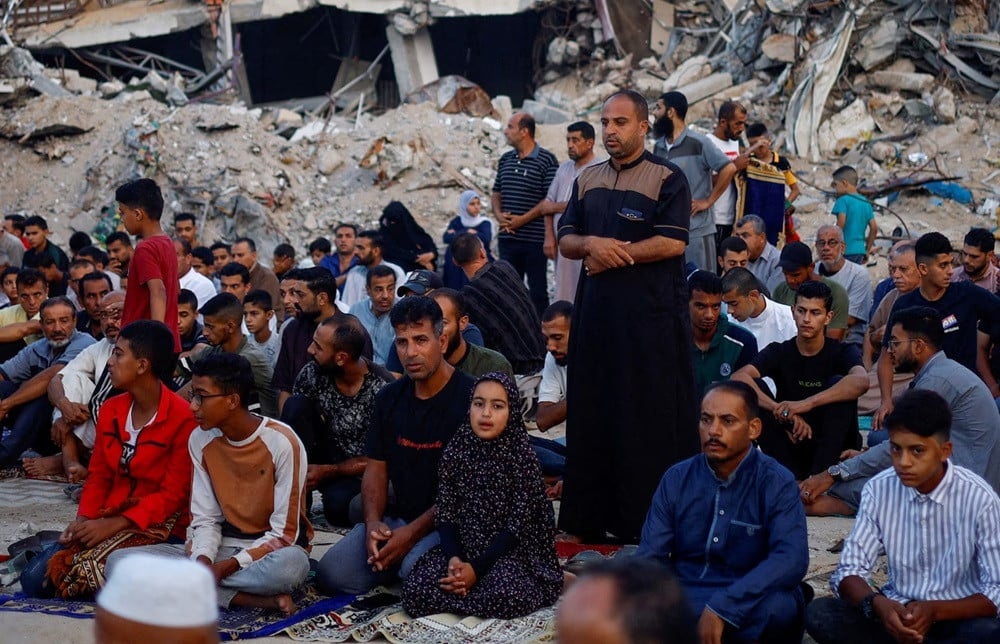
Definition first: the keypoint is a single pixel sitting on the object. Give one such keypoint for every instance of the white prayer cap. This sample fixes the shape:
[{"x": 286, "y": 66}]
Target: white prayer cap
[{"x": 160, "y": 591}]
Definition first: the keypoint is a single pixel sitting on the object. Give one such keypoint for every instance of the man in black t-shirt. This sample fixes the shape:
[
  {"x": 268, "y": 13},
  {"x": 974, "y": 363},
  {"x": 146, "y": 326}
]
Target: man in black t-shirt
[
  {"x": 813, "y": 414},
  {"x": 412, "y": 421}
]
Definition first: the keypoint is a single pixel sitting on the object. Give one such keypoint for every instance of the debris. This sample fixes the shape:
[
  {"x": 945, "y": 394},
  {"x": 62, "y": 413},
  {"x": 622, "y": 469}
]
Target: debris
[
  {"x": 846, "y": 128},
  {"x": 781, "y": 47},
  {"x": 949, "y": 190},
  {"x": 944, "y": 105},
  {"x": 454, "y": 95},
  {"x": 902, "y": 81}
]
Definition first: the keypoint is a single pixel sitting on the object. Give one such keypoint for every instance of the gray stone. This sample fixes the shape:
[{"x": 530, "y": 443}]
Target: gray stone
[{"x": 546, "y": 114}]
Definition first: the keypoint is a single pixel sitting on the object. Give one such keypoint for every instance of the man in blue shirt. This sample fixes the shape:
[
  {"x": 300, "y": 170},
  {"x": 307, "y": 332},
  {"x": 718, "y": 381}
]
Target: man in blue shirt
[
  {"x": 24, "y": 379},
  {"x": 730, "y": 523},
  {"x": 373, "y": 311}
]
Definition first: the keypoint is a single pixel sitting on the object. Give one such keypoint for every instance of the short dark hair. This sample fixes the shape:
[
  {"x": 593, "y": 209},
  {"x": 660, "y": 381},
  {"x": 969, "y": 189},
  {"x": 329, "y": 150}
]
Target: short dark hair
[
  {"x": 815, "y": 290},
  {"x": 704, "y": 281},
  {"x": 344, "y": 224},
  {"x": 527, "y": 122},
  {"x": 83, "y": 262},
  {"x": 30, "y": 277},
  {"x": 96, "y": 276},
  {"x": 185, "y": 296},
  {"x": 185, "y": 245},
  {"x": 455, "y": 297},
  {"x": 259, "y": 298},
  {"x": 78, "y": 240},
  {"x": 230, "y": 372},
  {"x": 414, "y": 310},
  {"x": 756, "y": 129},
  {"x": 741, "y": 389},
  {"x": 373, "y": 236},
  {"x": 740, "y": 279},
  {"x": 94, "y": 253},
  {"x": 154, "y": 341},
  {"x": 224, "y": 305},
  {"x": 59, "y": 300},
  {"x": 756, "y": 221},
  {"x": 185, "y": 216},
  {"x": 649, "y": 600},
  {"x": 638, "y": 101},
  {"x": 921, "y": 321},
  {"x": 319, "y": 280},
  {"x": 204, "y": 254},
  {"x": 584, "y": 128},
  {"x": 734, "y": 244},
  {"x": 378, "y": 271},
  {"x": 465, "y": 247},
  {"x": 930, "y": 245},
  {"x": 319, "y": 244},
  {"x": 982, "y": 239},
  {"x": 349, "y": 334},
  {"x": 677, "y": 101},
  {"x": 284, "y": 250},
  {"x": 219, "y": 244},
  {"x": 922, "y": 412},
  {"x": 251, "y": 244},
  {"x": 235, "y": 268},
  {"x": 729, "y": 109},
  {"x": 846, "y": 173},
  {"x": 38, "y": 221},
  {"x": 16, "y": 220},
  {"x": 559, "y": 308},
  {"x": 142, "y": 193},
  {"x": 10, "y": 270},
  {"x": 45, "y": 260},
  {"x": 118, "y": 236}
]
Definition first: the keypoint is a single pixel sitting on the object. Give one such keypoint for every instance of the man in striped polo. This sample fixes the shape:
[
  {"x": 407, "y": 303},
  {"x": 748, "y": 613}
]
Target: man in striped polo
[{"x": 523, "y": 178}]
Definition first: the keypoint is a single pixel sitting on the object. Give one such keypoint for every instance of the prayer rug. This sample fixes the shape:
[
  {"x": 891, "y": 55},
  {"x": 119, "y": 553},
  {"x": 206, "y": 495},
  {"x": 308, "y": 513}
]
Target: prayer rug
[
  {"x": 17, "y": 472},
  {"x": 234, "y": 624},
  {"x": 380, "y": 615}
]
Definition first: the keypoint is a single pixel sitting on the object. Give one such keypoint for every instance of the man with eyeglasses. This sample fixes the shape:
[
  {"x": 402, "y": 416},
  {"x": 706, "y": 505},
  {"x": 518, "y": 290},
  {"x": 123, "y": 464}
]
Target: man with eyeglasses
[
  {"x": 914, "y": 345},
  {"x": 853, "y": 277}
]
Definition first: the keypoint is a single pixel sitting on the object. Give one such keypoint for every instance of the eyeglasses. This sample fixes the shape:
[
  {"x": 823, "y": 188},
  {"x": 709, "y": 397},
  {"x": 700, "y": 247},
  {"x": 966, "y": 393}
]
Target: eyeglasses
[
  {"x": 895, "y": 343},
  {"x": 197, "y": 399},
  {"x": 111, "y": 314}
]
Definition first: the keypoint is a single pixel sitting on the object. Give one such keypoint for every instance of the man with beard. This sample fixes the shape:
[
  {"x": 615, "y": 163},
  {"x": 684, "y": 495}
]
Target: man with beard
[
  {"x": 94, "y": 286},
  {"x": 24, "y": 408},
  {"x": 914, "y": 346},
  {"x": 853, "y": 277},
  {"x": 330, "y": 409},
  {"x": 315, "y": 296},
  {"x": 524, "y": 175},
  {"x": 628, "y": 221},
  {"x": 978, "y": 257},
  {"x": 79, "y": 390},
  {"x": 720, "y": 347},
  {"x": 373, "y": 311},
  {"x": 580, "y": 150},
  {"x": 698, "y": 158},
  {"x": 463, "y": 355},
  {"x": 726, "y": 136},
  {"x": 368, "y": 248}
]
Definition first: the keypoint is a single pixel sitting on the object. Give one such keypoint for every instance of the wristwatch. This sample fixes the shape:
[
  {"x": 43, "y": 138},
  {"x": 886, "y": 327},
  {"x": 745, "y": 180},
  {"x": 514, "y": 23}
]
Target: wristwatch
[
  {"x": 836, "y": 471},
  {"x": 868, "y": 606}
]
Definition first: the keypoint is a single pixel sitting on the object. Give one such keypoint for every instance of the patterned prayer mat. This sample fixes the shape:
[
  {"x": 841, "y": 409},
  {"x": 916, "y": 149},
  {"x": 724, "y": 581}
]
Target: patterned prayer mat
[
  {"x": 379, "y": 615},
  {"x": 234, "y": 624},
  {"x": 17, "y": 472}
]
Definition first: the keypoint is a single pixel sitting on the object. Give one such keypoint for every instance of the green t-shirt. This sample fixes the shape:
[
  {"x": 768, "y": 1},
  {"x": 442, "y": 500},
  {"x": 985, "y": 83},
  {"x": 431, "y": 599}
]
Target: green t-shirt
[{"x": 841, "y": 305}]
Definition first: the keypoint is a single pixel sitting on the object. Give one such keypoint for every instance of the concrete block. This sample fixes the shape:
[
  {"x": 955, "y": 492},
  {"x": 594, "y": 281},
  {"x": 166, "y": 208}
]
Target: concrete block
[{"x": 546, "y": 114}]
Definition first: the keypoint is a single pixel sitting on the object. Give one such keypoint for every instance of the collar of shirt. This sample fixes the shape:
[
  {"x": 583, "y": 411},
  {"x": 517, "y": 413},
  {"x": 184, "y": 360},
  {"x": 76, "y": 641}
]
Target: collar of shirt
[
  {"x": 939, "y": 493},
  {"x": 937, "y": 357},
  {"x": 746, "y": 465}
]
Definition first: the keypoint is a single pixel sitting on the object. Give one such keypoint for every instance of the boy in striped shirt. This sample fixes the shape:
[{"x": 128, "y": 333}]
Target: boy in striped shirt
[{"x": 937, "y": 524}]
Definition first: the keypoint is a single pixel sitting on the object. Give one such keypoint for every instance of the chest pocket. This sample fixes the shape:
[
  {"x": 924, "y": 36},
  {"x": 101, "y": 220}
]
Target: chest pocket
[
  {"x": 631, "y": 224},
  {"x": 746, "y": 542}
]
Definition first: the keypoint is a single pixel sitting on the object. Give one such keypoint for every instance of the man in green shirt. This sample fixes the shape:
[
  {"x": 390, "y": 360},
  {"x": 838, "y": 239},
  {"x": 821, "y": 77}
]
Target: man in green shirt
[
  {"x": 460, "y": 354},
  {"x": 798, "y": 266},
  {"x": 719, "y": 346}
]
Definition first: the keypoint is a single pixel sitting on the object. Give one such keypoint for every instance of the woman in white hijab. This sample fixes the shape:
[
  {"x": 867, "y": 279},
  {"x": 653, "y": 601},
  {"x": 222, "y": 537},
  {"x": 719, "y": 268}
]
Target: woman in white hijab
[{"x": 469, "y": 217}]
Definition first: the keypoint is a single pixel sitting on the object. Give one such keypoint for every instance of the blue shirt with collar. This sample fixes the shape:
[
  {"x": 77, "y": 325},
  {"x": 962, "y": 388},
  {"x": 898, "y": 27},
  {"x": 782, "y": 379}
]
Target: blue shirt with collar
[
  {"x": 40, "y": 355},
  {"x": 732, "y": 542}
]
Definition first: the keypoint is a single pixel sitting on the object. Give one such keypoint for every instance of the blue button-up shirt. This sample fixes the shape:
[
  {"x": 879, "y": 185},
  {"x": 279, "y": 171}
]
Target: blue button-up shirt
[
  {"x": 380, "y": 329},
  {"x": 40, "y": 355},
  {"x": 730, "y": 542}
]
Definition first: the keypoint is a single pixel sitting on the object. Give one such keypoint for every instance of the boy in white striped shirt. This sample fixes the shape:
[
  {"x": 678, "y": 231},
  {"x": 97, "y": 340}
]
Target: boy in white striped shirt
[{"x": 938, "y": 525}]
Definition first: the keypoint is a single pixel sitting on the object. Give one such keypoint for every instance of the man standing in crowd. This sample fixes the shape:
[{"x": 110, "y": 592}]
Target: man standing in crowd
[
  {"x": 726, "y": 136},
  {"x": 186, "y": 228},
  {"x": 633, "y": 261},
  {"x": 523, "y": 178},
  {"x": 698, "y": 158}
]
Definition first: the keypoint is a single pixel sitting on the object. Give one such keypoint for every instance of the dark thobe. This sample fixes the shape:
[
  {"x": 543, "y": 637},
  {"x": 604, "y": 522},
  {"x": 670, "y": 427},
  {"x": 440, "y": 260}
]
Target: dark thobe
[{"x": 631, "y": 406}]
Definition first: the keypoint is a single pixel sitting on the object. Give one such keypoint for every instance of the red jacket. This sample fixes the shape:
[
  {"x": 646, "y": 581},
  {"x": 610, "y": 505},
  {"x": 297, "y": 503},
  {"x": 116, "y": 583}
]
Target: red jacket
[{"x": 158, "y": 476}]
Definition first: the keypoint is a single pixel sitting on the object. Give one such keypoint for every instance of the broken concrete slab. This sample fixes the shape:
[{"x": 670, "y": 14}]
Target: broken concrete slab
[
  {"x": 910, "y": 82},
  {"x": 691, "y": 70},
  {"x": 944, "y": 105},
  {"x": 781, "y": 47},
  {"x": 846, "y": 128},
  {"x": 880, "y": 44},
  {"x": 546, "y": 113},
  {"x": 708, "y": 86}
]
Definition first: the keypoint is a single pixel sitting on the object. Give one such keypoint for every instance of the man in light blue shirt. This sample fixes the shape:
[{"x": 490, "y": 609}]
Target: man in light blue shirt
[
  {"x": 373, "y": 311},
  {"x": 24, "y": 379}
]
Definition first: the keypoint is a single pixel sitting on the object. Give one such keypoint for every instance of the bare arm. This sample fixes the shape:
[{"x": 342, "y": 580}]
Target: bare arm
[
  {"x": 835, "y": 334},
  {"x": 495, "y": 202},
  {"x": 868, "y": 350},
  {"x": 850, "y": 387},
  {"x": 157, "y": 300},
  {"x": 872, "y": 234},
  {"x": 550, "y": 414},
  {"x": 374, "y": 488},
  {"x": 655, "y": 248},
  {"x": 34, "y": 387},
  {"x": 885, "y": 374},
  {"x": 794, "y": 192},
  {"x": 749, "y": 374},
  {"x": 283, "y": 396},
  {"x": 983, "y": 342},
  {"x": 19, "y": 330},
  {"x": 722, "y": 181}
]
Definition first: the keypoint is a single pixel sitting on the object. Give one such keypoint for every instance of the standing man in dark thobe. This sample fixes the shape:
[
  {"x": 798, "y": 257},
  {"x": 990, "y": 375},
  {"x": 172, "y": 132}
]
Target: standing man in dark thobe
[{"x": 631, "y": 403}]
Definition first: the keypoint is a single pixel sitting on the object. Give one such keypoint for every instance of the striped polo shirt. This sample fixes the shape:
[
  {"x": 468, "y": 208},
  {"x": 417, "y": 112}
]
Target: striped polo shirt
[{"x": 522, "y": 183}]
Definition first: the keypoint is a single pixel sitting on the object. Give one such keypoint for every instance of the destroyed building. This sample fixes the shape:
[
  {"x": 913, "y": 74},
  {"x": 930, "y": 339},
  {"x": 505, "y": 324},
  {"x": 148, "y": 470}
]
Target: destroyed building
[{"x": 286, "y": 117}]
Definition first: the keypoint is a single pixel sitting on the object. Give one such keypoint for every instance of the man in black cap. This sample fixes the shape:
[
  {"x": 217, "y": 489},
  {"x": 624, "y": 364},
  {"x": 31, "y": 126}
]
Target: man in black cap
[
  {"x": 420, "y": 282},
  {"x": 798, "y": 266}
]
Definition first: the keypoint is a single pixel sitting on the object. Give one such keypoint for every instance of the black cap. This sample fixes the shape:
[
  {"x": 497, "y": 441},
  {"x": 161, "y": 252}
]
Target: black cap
[
  {"x": 795, "y": 255},
  {"x": 420, "y": 282}
]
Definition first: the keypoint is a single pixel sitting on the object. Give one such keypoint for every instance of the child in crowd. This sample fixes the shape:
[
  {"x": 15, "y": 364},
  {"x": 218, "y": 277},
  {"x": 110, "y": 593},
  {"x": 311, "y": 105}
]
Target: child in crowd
[
  {"x": 497, "y": 555},
  {"x": 257, "y": 313},
  {"x": 203, "y": 262},
  {"x": 854, "y": 214},
  {"x": 187, "y": 320},
  {"x": 763, "y": 183},
  {"x": 469, "y": 217},
  {"x": 8, "y": 283}
]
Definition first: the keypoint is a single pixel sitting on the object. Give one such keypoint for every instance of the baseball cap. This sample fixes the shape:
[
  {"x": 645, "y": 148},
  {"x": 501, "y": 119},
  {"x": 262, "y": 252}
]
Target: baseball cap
[
  {"x": 419, "y": 282},
  {"x": 795, "y": 255}
]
